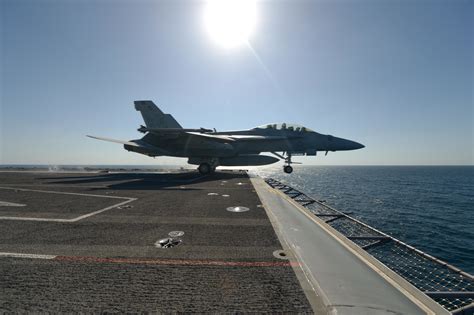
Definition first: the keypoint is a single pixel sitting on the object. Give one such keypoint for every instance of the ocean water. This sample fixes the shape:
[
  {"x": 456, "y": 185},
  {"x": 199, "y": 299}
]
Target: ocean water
[{"x": 429, "y": 207}]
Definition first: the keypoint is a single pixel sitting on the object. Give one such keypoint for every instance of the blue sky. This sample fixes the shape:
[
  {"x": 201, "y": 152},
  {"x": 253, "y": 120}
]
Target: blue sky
[{"x": 395, "y": 75}]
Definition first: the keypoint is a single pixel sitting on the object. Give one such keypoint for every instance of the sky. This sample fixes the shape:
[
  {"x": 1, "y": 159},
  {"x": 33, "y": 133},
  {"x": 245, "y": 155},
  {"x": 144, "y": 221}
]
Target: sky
[{"x": 395, "y": 75}]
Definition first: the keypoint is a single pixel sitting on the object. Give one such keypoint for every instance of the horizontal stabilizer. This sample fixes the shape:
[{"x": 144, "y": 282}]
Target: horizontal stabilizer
[{"x": 131, "y": 143}]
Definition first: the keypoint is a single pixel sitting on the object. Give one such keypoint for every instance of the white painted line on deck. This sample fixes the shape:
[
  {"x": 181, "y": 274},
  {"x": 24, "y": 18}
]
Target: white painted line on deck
[
  {"x": 10, "y": 204},
  {"x": 149, "y": 261},
  {"x": 62, "y": 192},
  {"x": 102, "y": 210},
  {"x": 127, "y": 200},
  {"x": 58, "y": 185},
  {"x": 31, "y": 256},
  {"x": 186, "y": 180}
]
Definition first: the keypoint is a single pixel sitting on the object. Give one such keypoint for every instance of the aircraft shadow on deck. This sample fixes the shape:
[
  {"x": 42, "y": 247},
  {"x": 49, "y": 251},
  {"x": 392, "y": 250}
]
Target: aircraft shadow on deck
[{"x": 143, "y": 181}]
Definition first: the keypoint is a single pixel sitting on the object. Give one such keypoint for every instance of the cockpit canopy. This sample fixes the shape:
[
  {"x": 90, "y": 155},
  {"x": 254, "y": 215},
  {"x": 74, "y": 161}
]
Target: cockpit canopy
[{"x": 285, "y": 126}]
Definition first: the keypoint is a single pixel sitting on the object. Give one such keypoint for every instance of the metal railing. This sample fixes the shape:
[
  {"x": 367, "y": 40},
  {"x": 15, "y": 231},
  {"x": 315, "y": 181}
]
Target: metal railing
[{"x": 449, "y": 286}]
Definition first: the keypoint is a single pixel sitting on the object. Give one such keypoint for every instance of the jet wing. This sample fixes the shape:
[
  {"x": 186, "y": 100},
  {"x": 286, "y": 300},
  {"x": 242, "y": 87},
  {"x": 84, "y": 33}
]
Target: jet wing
[
  {"x": 173, "y": 133},
  {"x": 160, "y": 131},
  {"x": 232, "y": 138},
  {"x": 218, "y": 138},
  {"x": 254, "y": 137}
]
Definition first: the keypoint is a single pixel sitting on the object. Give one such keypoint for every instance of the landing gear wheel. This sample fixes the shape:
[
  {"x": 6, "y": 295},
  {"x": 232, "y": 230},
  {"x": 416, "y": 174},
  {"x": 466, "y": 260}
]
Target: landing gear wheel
[
  {"x": 204, "y": 168},
  {"x": 288, "y": 169}
]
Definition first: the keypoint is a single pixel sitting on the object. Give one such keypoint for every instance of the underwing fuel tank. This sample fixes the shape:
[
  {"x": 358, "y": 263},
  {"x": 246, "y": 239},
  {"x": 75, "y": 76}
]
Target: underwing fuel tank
[{"x": 248, "y": 159}]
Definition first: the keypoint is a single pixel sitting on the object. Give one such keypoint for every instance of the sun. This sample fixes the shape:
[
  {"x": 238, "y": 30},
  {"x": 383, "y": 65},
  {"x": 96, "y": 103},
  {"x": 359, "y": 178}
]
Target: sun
[{"x": 230, "y": 23}]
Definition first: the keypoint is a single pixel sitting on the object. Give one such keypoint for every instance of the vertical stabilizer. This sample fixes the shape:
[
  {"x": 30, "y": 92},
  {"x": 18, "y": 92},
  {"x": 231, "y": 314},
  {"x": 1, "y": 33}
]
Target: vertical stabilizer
[{"x": 154, "y": 117}]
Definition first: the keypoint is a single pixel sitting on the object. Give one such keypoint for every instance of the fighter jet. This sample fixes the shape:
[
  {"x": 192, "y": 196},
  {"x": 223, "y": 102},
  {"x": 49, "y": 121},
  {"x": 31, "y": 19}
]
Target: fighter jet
[{"x": 209, "y": 149}]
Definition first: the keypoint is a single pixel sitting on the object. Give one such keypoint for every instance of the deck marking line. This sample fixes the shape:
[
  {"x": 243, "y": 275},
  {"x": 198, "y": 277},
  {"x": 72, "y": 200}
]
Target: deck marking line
[
  {"x": 62, "y": 193},
  {"x": 127, "y": 200},
  {"x": 10, "y": 204},
  {"x": 178, "y": 262},
  {"x": 56, "y": 185},
  {"x": 68, "y": 220},
  {"x": 102, "y": 210},
  {"x": 145, "y": 261},
  {"x": 31, "y": 256},
  {"x": 192, "y": 179}
]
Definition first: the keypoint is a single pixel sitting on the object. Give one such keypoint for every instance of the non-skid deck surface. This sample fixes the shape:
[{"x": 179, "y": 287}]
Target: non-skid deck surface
[{"x": 90, "y": 240}]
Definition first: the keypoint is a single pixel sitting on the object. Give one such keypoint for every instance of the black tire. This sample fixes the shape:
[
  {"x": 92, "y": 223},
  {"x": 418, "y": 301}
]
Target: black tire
[
  {"x": 288, "y": 169},
  {"x": 204, "y": 168}
]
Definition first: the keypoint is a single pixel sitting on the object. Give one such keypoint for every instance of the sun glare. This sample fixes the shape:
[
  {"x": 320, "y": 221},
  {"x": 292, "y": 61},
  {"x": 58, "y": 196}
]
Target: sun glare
[{"x": 230, "y": 22}]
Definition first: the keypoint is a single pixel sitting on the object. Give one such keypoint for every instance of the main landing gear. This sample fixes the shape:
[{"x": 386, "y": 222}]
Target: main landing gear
[{"x": 206, "y": 168}]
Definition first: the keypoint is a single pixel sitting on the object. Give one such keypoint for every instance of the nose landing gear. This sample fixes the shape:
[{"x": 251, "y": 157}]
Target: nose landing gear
[{"x": 287, "y": 167}]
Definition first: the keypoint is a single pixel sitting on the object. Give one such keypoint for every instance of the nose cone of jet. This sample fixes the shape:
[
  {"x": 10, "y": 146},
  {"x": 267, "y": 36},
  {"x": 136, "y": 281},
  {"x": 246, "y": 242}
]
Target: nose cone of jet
[
  {"x": 344, "y": 144},
  {"x": 356, "y": 145}
]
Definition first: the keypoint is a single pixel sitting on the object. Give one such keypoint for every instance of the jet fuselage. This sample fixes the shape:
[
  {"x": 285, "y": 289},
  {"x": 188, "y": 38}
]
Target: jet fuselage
[{"x": 164, "y": 136}]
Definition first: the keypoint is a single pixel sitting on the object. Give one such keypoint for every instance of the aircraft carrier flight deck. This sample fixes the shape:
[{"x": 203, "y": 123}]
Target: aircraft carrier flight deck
[
  {"x": 91, "y": 243},
  {"x": 107, "y": 241}
]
